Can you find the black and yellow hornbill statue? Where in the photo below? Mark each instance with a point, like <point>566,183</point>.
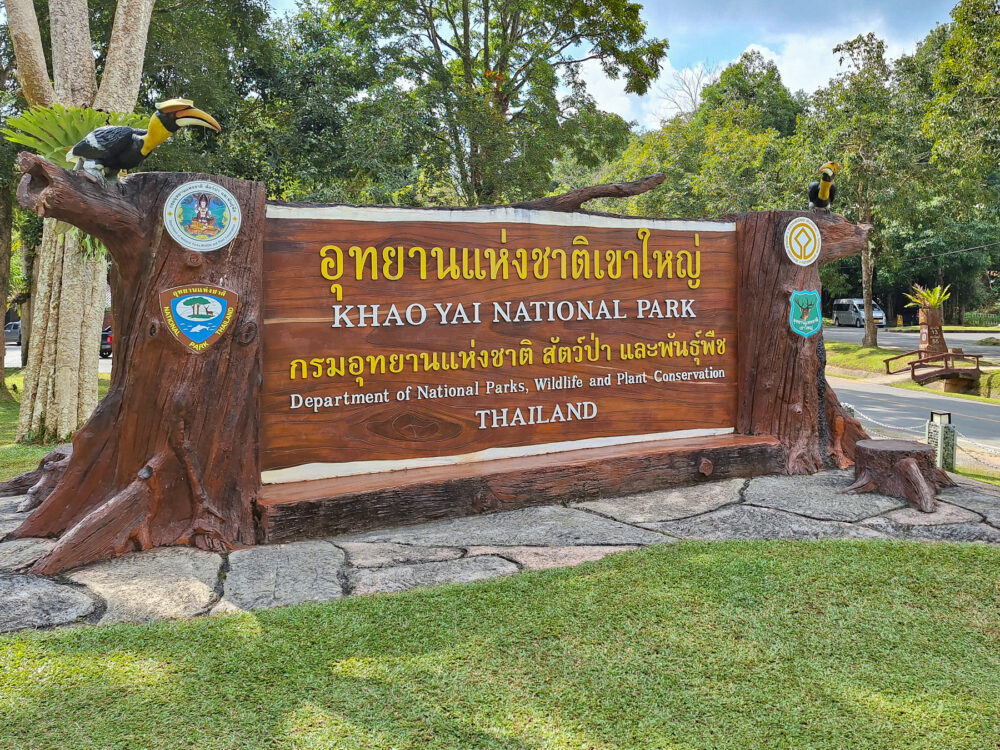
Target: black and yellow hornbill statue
<point>108,150</point>
<point>822,193</point>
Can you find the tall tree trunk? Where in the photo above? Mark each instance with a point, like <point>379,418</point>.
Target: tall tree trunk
<point>28,268</point>
<point>871,331</point>
<point>60,381</point>
<point>67,311</point>
<point>6,218</point>
<point>26,39</point>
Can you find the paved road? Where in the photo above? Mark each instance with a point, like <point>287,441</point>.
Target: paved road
<point>12,358</point>
<point>902,408</point>
<point>910,341</point>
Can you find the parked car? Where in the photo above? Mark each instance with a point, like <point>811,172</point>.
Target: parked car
<point>12,333</point>
<point>106,342</point>
<point>851,312</point>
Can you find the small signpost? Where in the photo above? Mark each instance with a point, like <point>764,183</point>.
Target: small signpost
<point>940,435</point>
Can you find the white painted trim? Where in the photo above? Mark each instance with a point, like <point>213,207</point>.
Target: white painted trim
<point>490,216</point>
<point>309,472</point>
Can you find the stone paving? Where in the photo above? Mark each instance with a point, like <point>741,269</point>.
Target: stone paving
<point>181,583</point>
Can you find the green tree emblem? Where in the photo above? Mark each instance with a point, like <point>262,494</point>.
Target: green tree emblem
<point>196,304</point>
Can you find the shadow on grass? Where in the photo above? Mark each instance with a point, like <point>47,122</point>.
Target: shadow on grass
<point>714,645</point>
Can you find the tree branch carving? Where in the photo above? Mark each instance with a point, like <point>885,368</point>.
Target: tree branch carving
<point>572,200</point>
<point>53,192</point>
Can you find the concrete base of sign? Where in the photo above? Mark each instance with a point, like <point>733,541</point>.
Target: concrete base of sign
<point>349,504</point>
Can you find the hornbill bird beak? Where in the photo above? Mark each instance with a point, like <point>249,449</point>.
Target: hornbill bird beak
<point>831,166</point>
<point>191,116</point>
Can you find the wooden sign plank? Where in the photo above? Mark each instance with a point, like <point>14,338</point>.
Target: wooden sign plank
<point>399,336</point>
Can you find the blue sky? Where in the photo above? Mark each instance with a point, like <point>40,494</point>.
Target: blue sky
<point>798,35</point>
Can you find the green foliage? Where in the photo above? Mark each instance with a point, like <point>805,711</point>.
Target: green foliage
<point>728,156</point>
<point>930,298</point>
<point>754,82</point>
<point>54,130</point>
<point>493,92</point>
<point>962,119</point>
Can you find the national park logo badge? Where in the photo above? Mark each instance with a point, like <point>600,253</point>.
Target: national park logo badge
<point>802,241</point>
<point>804,317</point>
<point>198,316</point>
<point>202,216</point>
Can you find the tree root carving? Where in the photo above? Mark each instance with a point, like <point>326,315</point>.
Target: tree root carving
<point>40,482</point>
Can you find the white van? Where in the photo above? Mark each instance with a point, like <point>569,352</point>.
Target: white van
<point>851,312</point>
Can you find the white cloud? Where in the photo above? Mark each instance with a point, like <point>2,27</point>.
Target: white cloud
<point>609,94</point>
<point>806,62</point>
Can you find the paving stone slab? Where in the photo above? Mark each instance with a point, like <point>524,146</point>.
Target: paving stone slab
<point>379,554</point>
<point>950,532</point>
<point>668,504</point>
<point>176,582</point>
<point>751,522</point>
<point>20,553</point>
<point>9,503</point>
<point>32,602</point>
<point>944,513</point>
<point>818,496</point>
<point>10,519</point>
<point>546,526</point>
<point>277,575</point>
<point>403,577</point>
<point>986,505</point>
<point>542,558</point>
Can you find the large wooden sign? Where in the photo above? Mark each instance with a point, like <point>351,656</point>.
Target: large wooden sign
<point>403,337</point>
<point>338,344</point>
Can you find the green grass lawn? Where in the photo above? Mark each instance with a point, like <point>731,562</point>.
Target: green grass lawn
<point>16,459</point>
<point>854,357</point>
<point>982,476</point>
<point>736,645</point>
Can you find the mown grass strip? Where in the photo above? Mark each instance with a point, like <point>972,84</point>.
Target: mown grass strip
<point>692,645</point>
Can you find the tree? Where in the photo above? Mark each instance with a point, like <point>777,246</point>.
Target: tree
<point>740,150</point>
<point>864,128</point>
<point>499,84</point>
<point>68,306</point>
<point>684,91</point>
<point>7,108</point>
<point>962,120</point>
<point>754,82</point>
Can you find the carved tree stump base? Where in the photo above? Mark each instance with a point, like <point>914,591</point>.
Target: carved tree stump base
<point>39,483</point>
<point>899,468</point>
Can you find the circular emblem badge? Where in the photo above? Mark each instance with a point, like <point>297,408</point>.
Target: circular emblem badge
<point>802,241</point>
<point>202,216</point>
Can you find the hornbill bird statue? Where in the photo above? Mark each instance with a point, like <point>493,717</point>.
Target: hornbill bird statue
<point>105,152</point>
<point>822,193</point>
